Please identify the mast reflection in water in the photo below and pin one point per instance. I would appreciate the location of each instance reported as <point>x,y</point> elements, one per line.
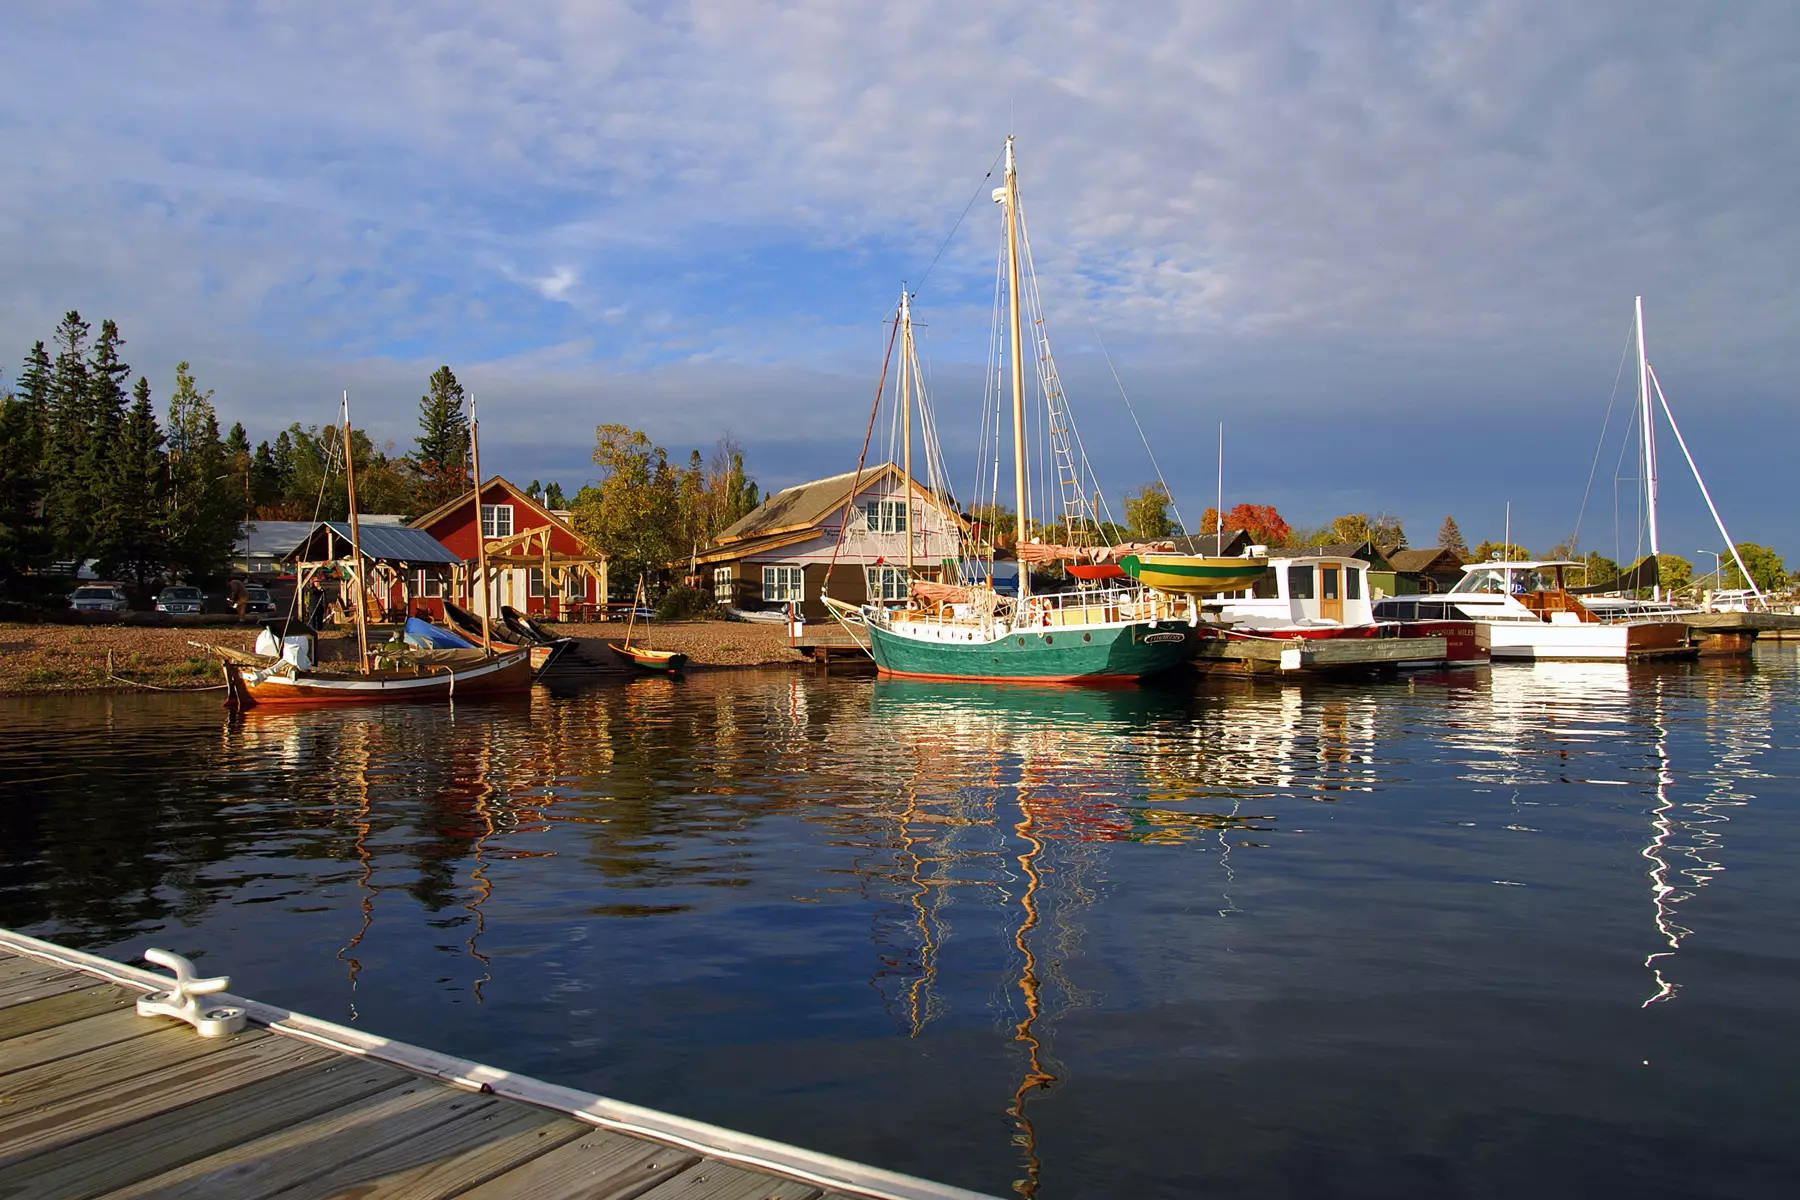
<point>1437,934</point>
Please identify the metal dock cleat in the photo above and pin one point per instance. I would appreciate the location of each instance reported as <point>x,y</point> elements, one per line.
<point>183,1000</point>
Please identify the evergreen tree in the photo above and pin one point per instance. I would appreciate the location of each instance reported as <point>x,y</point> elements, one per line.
<point>265,481</point>
<point>203,521</point>
<point>554,498</point>
<point>138,549</point>
<point>110,509</point>
<point>24,424</point>
<point>535,491</point>
<point>68,494</point>
<point>1451,538</point>
<point>441,460</point>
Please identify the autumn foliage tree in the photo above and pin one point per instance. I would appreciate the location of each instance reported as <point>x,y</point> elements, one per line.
<point>634,513</point>
<point>1147,513</point>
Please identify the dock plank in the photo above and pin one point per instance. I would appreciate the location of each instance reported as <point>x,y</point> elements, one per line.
<point>169,1046</point>
<point>710,1179</point>
<point>52,1011</point>
<point>448,1160</point>
<point>16,967</point>
<point>602,1164</point>
<point>165,1141</point>
<point>243,1060</point>
<point>72,1038</point>
<point>293,1157</point>
<point>24,992</point>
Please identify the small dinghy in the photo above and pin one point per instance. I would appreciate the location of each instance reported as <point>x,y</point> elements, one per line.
<point>666,662</point>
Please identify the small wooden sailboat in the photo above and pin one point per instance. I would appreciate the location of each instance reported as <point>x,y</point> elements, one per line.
<point>667,662</point>
<point>389,673</point>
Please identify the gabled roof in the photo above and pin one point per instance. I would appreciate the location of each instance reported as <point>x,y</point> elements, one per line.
<point>806,506</point>
<point>1208,543</point>
<point>382,543</point>
<point>492,481</point>
<point>1428,558</point>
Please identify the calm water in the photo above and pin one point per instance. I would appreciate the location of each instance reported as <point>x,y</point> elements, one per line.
<point>1527,930</point>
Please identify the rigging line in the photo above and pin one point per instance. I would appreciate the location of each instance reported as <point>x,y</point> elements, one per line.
<point>965,212</point>
<point>1575,539</point>
<point>1140,429</point>
<point>856,480</point>
<point>1707,495</point>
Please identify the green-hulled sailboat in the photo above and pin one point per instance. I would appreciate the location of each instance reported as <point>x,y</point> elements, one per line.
<point>1105,630</point>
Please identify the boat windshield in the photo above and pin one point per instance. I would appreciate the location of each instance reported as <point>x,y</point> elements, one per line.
<point>1500,578</point>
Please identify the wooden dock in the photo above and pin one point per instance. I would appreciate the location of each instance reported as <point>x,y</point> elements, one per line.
<point>1285,656</point>
<point>96,1100</point>
<point>1725,633</point>
<point>822,639</point>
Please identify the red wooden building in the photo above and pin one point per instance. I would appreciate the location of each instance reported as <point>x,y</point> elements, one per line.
<point>537,563</point>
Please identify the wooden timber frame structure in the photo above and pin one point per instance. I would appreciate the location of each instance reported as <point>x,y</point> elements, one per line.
<point>528,549</point>
<point>390,556</point>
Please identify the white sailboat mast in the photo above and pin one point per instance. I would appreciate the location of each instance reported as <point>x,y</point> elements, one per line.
<point>1648,418</point>
<point>1009,196</point>
<point>907,365</point>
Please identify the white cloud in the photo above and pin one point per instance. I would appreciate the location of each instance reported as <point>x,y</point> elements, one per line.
<point>1300,208</point>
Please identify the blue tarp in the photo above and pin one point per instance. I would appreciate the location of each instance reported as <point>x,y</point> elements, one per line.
<point>425,636</point>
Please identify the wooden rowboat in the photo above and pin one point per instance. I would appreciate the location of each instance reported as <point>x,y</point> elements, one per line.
<point>440,676</point>
<point>645,659</point>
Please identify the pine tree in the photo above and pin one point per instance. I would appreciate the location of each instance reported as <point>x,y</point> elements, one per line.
<point>139,550</point>
<point>265,481</point>
<point>68,499</point>
<point>441,460</point>
<point>554,498</point>
<point>1450,537</point>
<point>24,427</point>
<point>111,511</point>
<point>203,520</point>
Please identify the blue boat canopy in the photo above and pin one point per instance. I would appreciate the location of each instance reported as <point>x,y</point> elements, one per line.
<point>423,635</point>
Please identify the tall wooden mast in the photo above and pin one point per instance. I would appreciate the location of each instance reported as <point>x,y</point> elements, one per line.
<point>1009,196</point>
<point>356,556</point>
<point>481,567</point>
<point>907,363</point>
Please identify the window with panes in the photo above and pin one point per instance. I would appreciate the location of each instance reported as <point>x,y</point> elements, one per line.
<point>886,516</point>
<point>886,583</point>
<point>496,520</point>
<point>781,584</point>
<point>722,585</point>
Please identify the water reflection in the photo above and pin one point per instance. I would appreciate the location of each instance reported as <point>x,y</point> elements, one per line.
<point>967,857</point>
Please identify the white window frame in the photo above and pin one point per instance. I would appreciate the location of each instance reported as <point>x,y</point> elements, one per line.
<point>724,585</point>
<point>427,582</point>
<point>783,583</point>
<point>492,520</point>
<point>534,582</point>
<point>885,583</point>
<point>886,516</point>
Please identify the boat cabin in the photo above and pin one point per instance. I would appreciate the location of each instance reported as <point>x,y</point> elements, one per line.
<point>1521,591</point>
<point>1321,591</point>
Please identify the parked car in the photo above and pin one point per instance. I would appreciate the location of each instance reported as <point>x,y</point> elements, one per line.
<point>257,600</point>
<point>180,600</point>
<point>100,598</point>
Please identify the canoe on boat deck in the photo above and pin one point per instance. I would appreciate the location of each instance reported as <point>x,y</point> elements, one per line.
<point>645,659</point>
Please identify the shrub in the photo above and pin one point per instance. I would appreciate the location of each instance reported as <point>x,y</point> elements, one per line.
<point>684,603</point>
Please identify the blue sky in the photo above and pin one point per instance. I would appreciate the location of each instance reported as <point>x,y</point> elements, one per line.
<point>1392,246</point>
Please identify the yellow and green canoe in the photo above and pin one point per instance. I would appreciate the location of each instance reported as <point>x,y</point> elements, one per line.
<point>1192,574</point>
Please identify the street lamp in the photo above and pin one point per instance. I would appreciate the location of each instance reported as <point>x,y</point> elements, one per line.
<point>1718,568</point>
